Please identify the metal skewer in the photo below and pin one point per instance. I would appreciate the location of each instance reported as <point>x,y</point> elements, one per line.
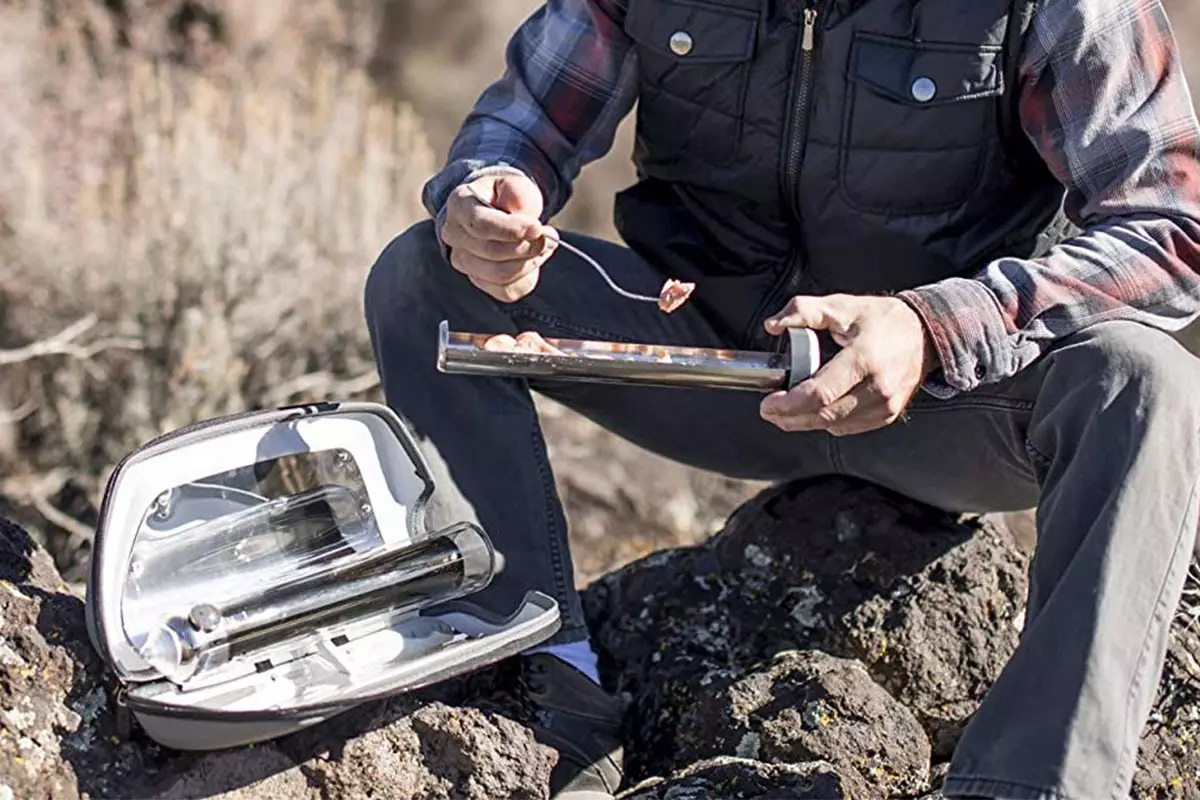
<point>575,250</point>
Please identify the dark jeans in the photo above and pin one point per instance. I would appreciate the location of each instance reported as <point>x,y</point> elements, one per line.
<point>1103,435</point>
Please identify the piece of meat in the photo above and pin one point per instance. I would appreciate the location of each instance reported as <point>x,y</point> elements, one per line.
<point>526,342</point>
<point>674,294</point>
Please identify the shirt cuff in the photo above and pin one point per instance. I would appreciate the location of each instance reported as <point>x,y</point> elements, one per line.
<point>969,333</point>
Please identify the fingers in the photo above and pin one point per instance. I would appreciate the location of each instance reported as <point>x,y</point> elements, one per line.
<point>844,398</point>
<point>865,408</point>
<point>865,386</point>
<point>861,410</point>
<point>480,221</point>
<point>500,249</point>
<point>845,411</point>
<point>832,313</point>
<point>457,238</point>
<point>497,272</point>
<point>517,194</point>
<point>837,378</point>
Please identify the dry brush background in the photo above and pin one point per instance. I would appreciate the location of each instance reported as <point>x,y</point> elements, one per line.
<point>191,193</point>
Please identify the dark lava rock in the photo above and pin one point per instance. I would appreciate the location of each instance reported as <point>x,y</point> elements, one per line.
<point>1169,757</point>
<point>829,643</point>
<point>434,751</point>
<point>731,778</point>
<point>59,735</point>
<point>929,603</point>
<point>937,638</point>
<point>833,565</point>
<point>805,707</point>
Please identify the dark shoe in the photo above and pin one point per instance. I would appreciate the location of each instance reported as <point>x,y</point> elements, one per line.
<point>579,720</point>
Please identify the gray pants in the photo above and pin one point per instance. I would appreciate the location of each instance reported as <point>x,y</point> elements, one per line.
<point>1103,435</point>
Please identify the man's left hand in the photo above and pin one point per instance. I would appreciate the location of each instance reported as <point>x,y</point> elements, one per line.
<point>886,355</point>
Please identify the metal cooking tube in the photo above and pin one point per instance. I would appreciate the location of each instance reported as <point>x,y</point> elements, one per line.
<point>615,362</point>
<point>407,577</point>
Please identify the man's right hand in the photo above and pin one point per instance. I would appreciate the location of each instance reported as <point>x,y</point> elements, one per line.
<point>500,251</point>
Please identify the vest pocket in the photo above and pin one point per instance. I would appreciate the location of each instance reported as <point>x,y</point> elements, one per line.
<point>694,67</point>
<point>918,125</point>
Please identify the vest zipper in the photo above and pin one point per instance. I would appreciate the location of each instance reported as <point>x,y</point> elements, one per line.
<point>798,135</point>
<point>797,142</point>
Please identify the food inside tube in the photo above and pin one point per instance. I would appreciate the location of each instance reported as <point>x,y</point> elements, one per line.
<point>531,342</point>
<point>527,342</point>
<point>674,294</point>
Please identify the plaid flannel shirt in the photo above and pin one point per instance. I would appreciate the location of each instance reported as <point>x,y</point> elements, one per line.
<point>1102,97</point>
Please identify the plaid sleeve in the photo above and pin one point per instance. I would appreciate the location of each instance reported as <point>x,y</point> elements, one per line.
<point>568,83</point>
<point>1105,102</point>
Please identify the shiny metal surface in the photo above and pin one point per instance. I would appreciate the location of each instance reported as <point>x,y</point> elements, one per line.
<point>612,362</point>
<point>681,43</point>
<point>408,577</point>
<point>924,89</point>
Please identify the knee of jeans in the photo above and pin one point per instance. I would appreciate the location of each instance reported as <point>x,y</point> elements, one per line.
<point>1130,361</point>
<point>405,272</point>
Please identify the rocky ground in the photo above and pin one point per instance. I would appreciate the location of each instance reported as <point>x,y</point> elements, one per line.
<point>830,642</point>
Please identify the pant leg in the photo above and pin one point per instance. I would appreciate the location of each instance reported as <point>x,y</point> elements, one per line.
<point>1103,435</point>
<point>481,435</point>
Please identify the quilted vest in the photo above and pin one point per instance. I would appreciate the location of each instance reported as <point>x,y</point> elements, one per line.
<point>816,146</point>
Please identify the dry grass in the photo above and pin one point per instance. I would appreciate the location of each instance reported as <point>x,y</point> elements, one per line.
<point>224,227</point>
<point>208,180</point>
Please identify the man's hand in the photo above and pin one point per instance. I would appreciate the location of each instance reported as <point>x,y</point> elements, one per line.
<point>867,385</point>
<point>501,251</point>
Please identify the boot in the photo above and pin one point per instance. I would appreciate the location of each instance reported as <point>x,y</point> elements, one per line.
<point>581,721</point>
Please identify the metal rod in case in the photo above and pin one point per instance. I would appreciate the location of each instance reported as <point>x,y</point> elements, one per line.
<point>398,578</point>
<point>634,364</point>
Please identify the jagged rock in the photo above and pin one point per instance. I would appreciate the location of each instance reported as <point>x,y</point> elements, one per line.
<point>937,638</point>
<point>732,778</point>
<point>828,643</point>
<point>395,749</point>
<point>58,733</point>
<point>930,604</point>
<point>806,707</point>
<point>834,565</point>
<point>59,739</point>
<point>1169,757</point>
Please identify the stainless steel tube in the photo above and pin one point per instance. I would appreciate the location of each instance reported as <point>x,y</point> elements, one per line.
<point>614,362</point>
<point>409,577</point>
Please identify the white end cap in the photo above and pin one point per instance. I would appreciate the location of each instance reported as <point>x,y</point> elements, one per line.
<point>806,355</point>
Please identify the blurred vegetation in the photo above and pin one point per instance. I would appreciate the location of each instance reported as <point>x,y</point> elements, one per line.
<point>185,225</point>
<point>191,193</point>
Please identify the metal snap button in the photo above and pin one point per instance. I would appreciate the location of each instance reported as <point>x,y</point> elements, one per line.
<point>681,43</point>
<point>924,89</point>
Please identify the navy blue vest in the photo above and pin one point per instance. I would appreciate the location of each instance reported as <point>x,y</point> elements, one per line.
<point>817,146</point>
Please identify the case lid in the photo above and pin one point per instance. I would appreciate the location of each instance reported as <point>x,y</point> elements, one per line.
<point>256,539</point>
